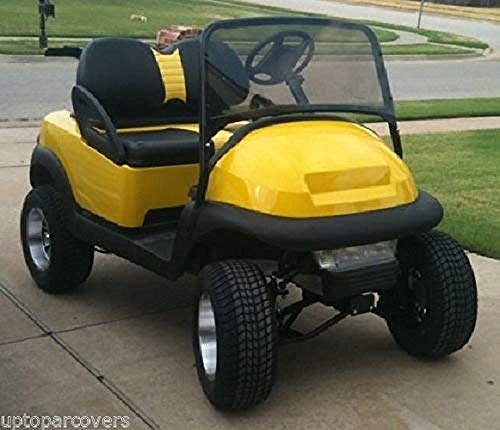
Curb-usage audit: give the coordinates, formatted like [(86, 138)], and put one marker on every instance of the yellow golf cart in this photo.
[(237, 156)]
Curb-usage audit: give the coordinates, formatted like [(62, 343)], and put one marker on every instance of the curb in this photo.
[(40, 59), (440, 57), (29, 59), (491, 54), (20, 123)]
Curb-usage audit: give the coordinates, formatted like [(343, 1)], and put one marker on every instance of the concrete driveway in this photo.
[(121, 346)]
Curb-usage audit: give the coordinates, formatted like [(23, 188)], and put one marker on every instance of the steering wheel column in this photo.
[(295, 84)]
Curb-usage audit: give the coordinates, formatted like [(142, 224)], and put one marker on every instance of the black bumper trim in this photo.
[(326, 232)]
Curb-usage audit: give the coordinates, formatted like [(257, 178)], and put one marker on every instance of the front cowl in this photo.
[(310, 169)]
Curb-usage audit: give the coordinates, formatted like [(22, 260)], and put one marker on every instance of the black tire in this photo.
[(70, 260), (434, 310), (246, 335)]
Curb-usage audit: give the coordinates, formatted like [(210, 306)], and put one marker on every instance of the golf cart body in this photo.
[(241, 144), (133, 149)]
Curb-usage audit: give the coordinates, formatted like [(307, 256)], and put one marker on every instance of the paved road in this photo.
[(32, 90)]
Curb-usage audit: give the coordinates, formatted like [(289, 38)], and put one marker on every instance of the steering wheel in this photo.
[(284, 54)]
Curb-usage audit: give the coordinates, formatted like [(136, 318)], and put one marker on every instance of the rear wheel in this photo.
[(234, 335), (57, 261), (433, 311)]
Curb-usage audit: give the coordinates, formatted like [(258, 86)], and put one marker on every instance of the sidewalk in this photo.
[(26, 131), (441, 125), (18, 138)]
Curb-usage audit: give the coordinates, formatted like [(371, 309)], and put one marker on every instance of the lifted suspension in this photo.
[(288, 315)]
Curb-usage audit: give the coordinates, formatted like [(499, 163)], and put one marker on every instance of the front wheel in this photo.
[(433, 311), (234, 335)]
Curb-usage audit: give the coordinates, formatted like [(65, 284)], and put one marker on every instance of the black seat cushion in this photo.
[(171, 146)]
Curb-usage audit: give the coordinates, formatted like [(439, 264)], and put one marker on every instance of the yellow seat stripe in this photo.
[(172, 74)]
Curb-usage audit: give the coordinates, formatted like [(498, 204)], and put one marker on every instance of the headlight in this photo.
[(355, 257)]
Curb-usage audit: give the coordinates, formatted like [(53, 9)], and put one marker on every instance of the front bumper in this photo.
[(301, 234)]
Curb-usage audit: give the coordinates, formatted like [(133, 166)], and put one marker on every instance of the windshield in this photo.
[(266, 66)]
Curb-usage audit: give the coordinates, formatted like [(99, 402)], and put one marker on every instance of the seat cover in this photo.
[(127, 84)]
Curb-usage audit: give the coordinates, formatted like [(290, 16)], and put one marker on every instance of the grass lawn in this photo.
[(92, 18), (411, 110), (453, 108), (463, 171), (423, 49), (95, 18), (30, 47), (434, 36)]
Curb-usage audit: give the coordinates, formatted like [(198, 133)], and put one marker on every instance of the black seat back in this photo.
[(125, 77), (138, 86)]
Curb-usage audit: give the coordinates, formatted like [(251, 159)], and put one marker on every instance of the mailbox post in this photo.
[(45, 10), (420, 12)]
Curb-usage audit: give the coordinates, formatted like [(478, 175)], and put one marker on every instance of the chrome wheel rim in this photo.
[(207, 336), (38, 238)]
